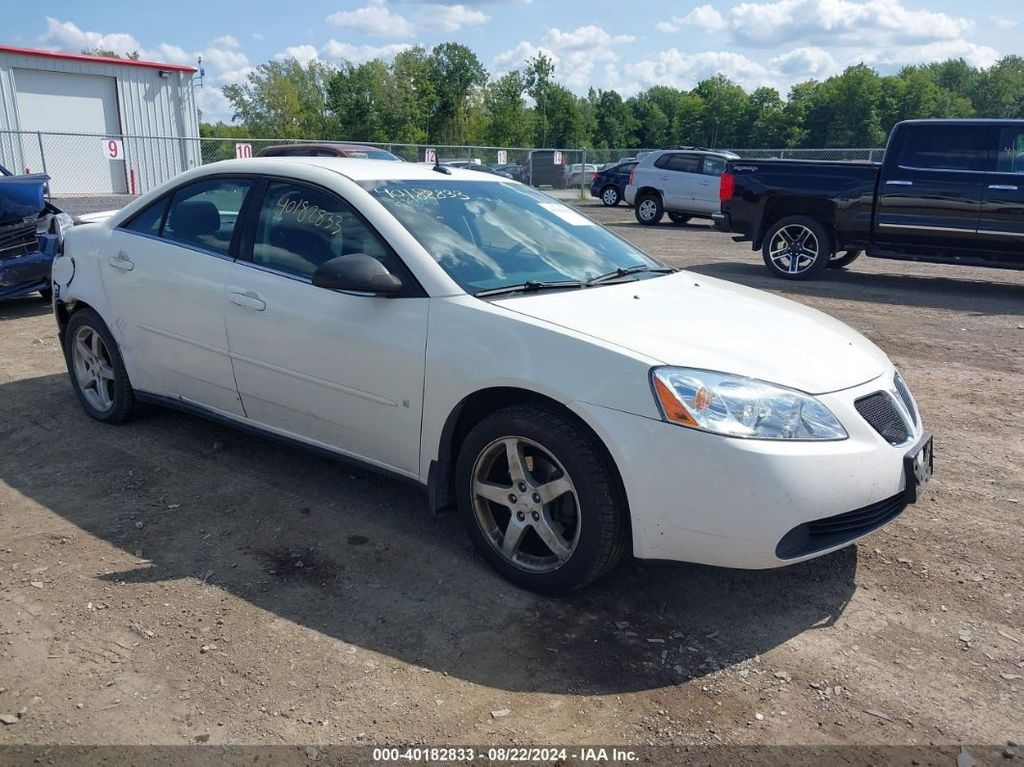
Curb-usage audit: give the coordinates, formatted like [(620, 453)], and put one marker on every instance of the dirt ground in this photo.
[(173, 581)]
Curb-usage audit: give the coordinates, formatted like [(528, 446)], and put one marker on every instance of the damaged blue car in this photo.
[(31, 233)]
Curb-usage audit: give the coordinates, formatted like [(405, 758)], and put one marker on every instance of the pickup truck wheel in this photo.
[(540, 500), (649, 209), (797, 248), (610, 196), (678, 219), (839, 260)]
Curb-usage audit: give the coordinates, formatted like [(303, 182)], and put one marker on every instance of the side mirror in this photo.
[(357, 273)]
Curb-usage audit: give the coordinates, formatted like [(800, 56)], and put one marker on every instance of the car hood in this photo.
[(690, 320)]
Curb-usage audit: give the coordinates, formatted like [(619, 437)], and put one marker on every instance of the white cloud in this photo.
[(805, 63), (847, 21), (257, 35), (376, 19), (575, 54), (227, 41), (67, 36), (302, 53), (1004, 23), (703, 16), (357, 54), (583, 38), (450, 18), (684, 70)]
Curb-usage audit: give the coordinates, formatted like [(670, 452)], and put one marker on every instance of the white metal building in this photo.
[(96, 124)]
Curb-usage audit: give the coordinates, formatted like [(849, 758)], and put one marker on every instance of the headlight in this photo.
[(741, 407)]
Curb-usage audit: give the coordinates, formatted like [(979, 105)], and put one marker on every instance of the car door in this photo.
[(343, 371), (929, 195), (711, 170), (164, 278), (681, 179), (1001, 222)]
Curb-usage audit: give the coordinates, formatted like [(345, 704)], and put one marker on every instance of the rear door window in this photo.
[(683, 163), (713, 166), (947, 147), (1011, 151), (203, 215)]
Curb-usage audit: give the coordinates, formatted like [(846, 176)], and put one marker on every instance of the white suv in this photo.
[(680, 182)]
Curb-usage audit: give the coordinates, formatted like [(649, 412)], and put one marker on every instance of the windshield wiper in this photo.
[(626, 271), (530, 286)]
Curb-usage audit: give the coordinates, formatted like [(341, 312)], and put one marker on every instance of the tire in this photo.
[(587, 513), (838, 261), (678, 219), (797, 248), (610, 196), (649, 209), (98, 375), (47, 294)]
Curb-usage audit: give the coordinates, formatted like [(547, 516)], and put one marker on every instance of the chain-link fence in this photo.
[(98, 164)]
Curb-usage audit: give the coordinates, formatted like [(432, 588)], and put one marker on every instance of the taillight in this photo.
[(632, 175), (726, 187)]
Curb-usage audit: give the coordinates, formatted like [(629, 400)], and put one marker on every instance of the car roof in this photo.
[(357, 169), (323, 147)]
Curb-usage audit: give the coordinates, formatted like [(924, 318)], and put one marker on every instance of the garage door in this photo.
[(72, 103)]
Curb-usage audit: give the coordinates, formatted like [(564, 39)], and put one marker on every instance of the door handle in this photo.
[(900, 183), (248, 299), (122, 262), (1003, 187)]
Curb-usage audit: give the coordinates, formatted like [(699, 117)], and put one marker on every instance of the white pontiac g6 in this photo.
[(575, 398)]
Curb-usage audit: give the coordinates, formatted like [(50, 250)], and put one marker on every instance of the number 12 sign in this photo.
[(113, 149)]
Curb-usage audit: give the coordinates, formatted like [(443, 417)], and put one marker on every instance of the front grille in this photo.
[(18, 240), (904, 392), (834, 531), (880, 411)]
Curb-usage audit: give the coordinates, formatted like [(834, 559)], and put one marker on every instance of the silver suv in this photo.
[(681, 182)]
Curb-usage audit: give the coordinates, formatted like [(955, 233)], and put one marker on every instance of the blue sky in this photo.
[(618, 45)]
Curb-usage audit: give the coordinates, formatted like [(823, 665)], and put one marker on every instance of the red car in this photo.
[(327, 150)]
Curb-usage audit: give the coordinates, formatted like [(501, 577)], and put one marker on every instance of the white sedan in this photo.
[(574, 397)]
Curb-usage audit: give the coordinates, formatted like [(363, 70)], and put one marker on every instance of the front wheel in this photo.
[(797, 248), (540, 499), (97, 371), (649, 209), (839, 260), (610, 196)]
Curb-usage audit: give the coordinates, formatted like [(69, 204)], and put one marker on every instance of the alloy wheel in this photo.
[(610, 196), (794, 249), (647, 210), (525, 504), (93, 369)]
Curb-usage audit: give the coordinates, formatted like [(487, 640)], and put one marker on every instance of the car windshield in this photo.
[(489, 235)]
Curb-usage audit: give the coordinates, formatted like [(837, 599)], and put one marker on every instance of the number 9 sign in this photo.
[(113, 149)]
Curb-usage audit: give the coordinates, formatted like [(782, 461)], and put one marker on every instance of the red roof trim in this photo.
[(99, 59)]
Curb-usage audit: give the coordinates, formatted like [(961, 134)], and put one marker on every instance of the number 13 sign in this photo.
[(113, 149)]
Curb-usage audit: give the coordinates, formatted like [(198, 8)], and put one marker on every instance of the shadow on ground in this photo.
[(358, 558), (961, 295)]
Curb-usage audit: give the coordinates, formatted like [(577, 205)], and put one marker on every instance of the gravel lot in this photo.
[(173, 581)]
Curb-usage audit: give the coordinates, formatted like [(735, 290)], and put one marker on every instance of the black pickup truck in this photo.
[(946, 191)]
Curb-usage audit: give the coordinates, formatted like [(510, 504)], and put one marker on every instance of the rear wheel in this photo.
[(797, 248), (678, 219), (97, 371), (649, 209), (610, 196), (540, 499), (839, 260)]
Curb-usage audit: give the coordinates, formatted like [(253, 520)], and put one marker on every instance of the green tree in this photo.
[(615, 125), (283, 98), (539, 77), (455, 72), (725, 111), (766, 119), (508, 120), (1000, 89), (108, 53), (653, 128)]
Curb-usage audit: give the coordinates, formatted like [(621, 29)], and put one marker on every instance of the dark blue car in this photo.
[(31, 230), (609, 185)]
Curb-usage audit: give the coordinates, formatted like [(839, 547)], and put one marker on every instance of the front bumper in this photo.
[(699, 497), (21, 275)]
